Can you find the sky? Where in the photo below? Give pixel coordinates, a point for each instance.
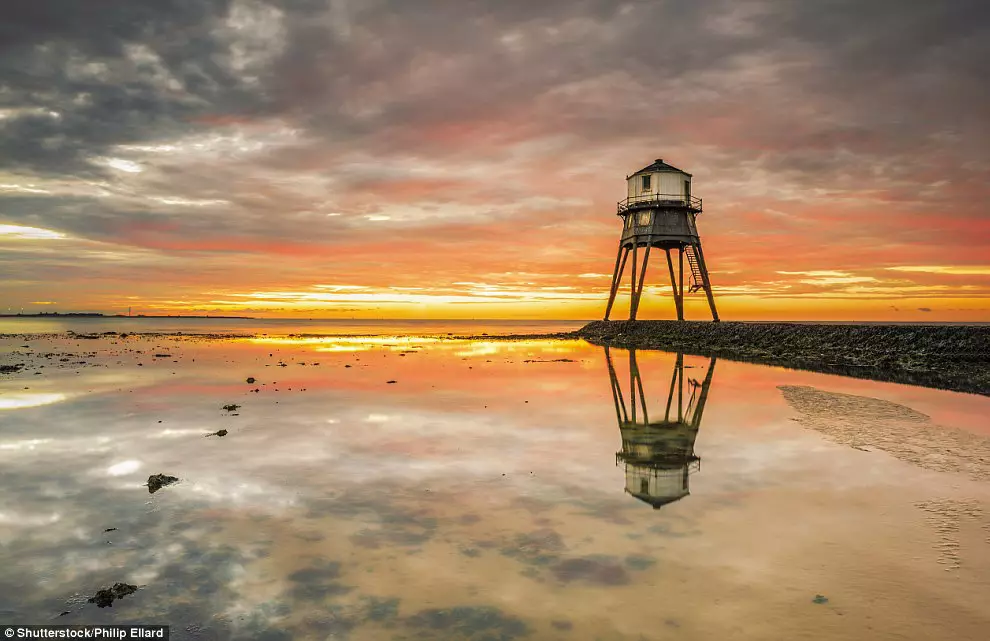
(463, 158)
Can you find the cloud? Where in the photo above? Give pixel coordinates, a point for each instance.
(817, 273)
(956, 270)
(267, 145)
(28, 233)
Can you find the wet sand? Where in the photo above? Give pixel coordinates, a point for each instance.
(863, 422)
(477, 496)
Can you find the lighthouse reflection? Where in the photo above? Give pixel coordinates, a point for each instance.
(658, 449)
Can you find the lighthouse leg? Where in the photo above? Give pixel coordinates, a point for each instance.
(632, 297)
(706, 281)
(639, 383)
(700, 409)
(639, 290)
(680, 267)
(616, 388)
(670, 394)
(632, 378)
(620, 266)
(673, 285)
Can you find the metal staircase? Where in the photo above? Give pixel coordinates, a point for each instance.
(697, 282)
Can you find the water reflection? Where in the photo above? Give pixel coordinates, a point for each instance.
(470, 499)
(659, 455)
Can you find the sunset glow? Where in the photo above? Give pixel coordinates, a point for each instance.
(355, 160)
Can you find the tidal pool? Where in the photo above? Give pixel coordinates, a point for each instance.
(425, 488)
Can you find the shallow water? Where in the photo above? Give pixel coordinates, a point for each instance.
(279, 326)
(494, 490)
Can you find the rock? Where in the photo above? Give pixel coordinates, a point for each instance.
(110, 529)
(104, 598)
(158, 481)
(250, 379)
(819, 599)
(218, 433)
(231, 407)
(945, 357)
(390, 382)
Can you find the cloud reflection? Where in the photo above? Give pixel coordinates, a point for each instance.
(22, 400)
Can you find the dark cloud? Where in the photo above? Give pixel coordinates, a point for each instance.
(80, 77)
(387, 75)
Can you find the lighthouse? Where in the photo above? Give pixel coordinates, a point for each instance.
(660, 211)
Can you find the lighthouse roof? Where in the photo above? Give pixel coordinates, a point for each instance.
(658, 165)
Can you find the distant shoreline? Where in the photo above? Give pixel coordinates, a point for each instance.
(508, 321)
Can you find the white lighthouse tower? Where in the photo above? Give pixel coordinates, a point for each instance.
(660, 211)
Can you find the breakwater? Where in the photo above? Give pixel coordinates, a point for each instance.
(951, 357)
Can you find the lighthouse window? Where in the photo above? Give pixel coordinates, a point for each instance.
(646, 183)
(645, 218)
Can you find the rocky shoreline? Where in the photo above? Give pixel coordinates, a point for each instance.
(949, 357)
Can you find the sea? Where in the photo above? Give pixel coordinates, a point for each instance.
(280, 326)
(326, 327)
(383, 481)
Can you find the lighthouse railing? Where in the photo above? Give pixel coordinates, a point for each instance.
(660, 200)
